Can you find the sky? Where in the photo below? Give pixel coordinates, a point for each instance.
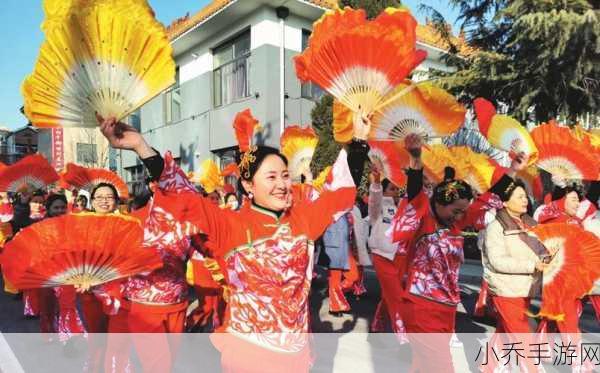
(21, 37)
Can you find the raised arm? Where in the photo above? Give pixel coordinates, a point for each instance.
(414, 186)
(375, 196)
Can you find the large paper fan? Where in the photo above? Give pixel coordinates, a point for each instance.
(417, 108)
(561, 154)
(437, 157)
(343, 123)
(502, 131)
(85, 249)
(87, 179)
(298, 145)
(32, 172)
(390, 159)
(104, 56)
(360, 61)
(572, 271)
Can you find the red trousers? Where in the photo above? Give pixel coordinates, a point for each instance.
(390, 275)
(48, 309)
(155, 351)
(31, 302)
(96, 320)
(430, 326)
(239, 356)
(337, 299)
(512, 326)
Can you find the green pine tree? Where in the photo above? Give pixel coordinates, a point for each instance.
(541, 58)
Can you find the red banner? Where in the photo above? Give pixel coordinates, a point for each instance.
(58, 150)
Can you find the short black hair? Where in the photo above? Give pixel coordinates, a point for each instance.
(384, 184)
(506, 194)
(105, 185)
(449, 191)
(559, 193)
(53, 198)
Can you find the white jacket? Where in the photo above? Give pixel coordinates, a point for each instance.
(381, 212)
(508, 263)
(361, 234)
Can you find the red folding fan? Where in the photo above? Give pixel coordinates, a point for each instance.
(391, 159)
(87, 178)
(360, 61)
(84, 249)
(561, 154)
(573, 269)
(32, 172)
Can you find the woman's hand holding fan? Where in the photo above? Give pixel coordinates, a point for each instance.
(124, 136)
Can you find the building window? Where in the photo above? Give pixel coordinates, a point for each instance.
(225, 157)
(309, 90)
(135, 120)
(135, 178)
(230, 74)
(172, 101)
(86, 154)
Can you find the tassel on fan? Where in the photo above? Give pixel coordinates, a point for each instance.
(104, 56)
(502, 131)
(87, 179)
(84, 249)
(390, 159)
(417, 108)
(31, 173)
(573, 269)
(298, 145)
(209, 176)
(245, 125)
(360, 61)
(563, 155)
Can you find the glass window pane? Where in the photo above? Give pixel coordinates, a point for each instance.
(241, 46)
(217, 87)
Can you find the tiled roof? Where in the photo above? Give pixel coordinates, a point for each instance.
(425, 33)
(181, 25)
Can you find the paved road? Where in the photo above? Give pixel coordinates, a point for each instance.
(345, 347)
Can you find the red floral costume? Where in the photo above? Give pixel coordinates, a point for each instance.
(267, 261)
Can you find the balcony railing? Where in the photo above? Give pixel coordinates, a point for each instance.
(231, 81)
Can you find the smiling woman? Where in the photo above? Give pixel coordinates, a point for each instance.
(264, 248)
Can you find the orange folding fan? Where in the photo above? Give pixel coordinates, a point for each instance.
(572, 271)
(87, 178)
(209, 176)
(476, 169)
(244, 126)
(502, 131)
(561, 154)
(343, 123)
(319, 182)
(360, 61)
(419, 108)
(390, 159)
(84, 249)
(298, 145)
(32, 172)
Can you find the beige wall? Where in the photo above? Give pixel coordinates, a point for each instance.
(72, 136)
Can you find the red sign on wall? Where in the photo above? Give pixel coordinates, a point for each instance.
(58, 150)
